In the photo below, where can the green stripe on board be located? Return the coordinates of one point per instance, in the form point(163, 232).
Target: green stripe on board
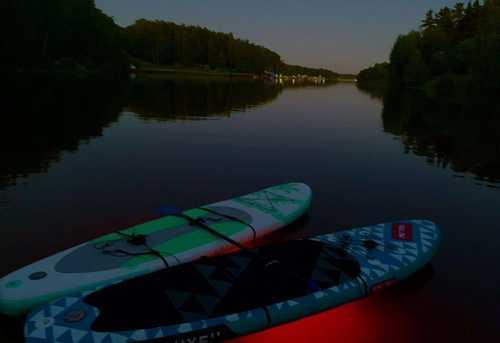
point(153, 226)
point(189, 241)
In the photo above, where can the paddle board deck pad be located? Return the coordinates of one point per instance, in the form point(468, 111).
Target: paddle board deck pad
point(222, 297)
point(148, 247)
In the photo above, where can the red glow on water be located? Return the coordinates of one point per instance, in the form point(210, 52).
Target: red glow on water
point(382, 317)
point(379, 318)
point(361, 321)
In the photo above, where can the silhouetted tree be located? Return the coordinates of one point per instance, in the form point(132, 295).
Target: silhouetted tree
point(407, 67)
point(378, 73)
point(60, 34)
point(166, 43)
point(457, 48)
point(429, 22)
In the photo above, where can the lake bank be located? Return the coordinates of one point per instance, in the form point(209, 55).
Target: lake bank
point(191, 72)
point(141, 67)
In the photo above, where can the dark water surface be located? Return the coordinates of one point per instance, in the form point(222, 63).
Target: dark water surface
point(82, 160)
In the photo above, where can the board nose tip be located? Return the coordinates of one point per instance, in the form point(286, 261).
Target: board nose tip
point(430, 238)
point(431, 228)
point(305, 188)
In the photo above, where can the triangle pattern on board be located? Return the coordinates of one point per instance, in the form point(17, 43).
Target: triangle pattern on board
point(88, 338)
point(241, 261)
point(208, 302)
point(139, 335)
point(65, 337)
point(100, 337)
point(192, 305)
point(61, 302)
point(204, 269)
point(153, 333)
point(220, 287)
point(76, 335)
point(55, 310)
point(30, 327)
point(222, 274)
point(177, 298)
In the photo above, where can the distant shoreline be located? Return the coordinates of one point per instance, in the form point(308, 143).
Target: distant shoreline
point(193, 72)
point(201, 72)
point(343, 79)
point(77, 71)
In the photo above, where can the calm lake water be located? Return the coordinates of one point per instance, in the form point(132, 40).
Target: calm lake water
point(85, 159)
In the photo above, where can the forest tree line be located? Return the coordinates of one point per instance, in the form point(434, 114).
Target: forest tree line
point(456, 52)
point(74, 34)
point(166, 43)
point(376, 74)
point(288, 69)
point(60, 34)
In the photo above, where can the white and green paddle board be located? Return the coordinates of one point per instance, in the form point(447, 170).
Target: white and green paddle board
point(142, 249)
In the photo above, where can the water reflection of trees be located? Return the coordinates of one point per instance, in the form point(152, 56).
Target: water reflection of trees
point(46, 115)
point(462, 135)
point(375, 90)
point(163, 99)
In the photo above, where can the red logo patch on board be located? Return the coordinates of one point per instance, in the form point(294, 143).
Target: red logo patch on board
point(402, 231)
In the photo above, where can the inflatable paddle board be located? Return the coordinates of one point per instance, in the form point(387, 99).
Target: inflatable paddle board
point(223, 297)
point(142, 249)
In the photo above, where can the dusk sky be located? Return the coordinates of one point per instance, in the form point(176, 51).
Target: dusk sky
point(337, 34)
